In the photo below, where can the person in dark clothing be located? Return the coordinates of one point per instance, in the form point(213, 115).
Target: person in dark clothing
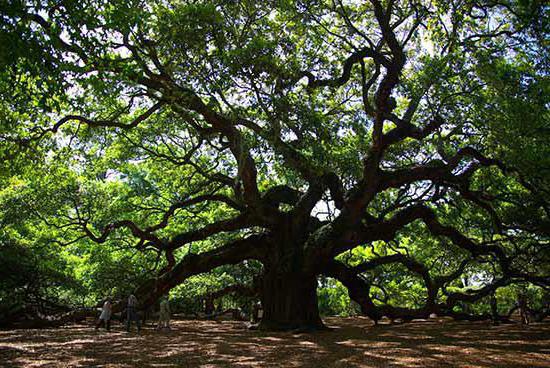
point(494, 310)
point(523, 309)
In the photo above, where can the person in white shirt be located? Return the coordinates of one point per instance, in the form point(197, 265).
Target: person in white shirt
point(257, 312)
point(164, 314)
point(105, 316)
point(131, 313)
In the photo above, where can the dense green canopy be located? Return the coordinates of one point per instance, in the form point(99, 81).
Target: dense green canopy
point(399, 147)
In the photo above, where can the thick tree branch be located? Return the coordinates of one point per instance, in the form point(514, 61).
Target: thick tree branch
point(353, 59)
point(252, 247)
point(240, 222)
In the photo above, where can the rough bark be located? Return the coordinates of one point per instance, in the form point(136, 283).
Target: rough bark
point(289, 301)
point(288, 286)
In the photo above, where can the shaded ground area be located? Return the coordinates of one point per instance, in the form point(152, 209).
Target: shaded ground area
point(354, 342)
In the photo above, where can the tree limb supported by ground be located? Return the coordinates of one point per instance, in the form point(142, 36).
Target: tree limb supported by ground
point(363, 141)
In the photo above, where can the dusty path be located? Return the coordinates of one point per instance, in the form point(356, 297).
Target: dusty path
point(354, 342)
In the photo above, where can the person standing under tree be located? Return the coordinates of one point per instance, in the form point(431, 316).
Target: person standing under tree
point(105, 316)
point(131, 310)
point(494, 310)
point(257, 312)
point(164, 314)
point(523, 309)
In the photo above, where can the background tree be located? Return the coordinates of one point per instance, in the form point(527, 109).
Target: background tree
point(399, 147)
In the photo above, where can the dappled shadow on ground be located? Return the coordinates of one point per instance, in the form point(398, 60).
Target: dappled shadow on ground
point(353, 342)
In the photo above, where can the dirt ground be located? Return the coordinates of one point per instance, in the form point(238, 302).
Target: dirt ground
point(353, 342)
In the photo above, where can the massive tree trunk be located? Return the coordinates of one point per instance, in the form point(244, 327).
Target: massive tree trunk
point(289, 286)
point(289, 300)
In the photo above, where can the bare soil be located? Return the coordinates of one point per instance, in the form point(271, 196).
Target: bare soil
point(353, 342)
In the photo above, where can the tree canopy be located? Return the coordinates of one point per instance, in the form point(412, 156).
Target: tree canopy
point(398, 147)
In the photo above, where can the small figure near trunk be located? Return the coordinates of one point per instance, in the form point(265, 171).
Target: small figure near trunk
point(494, 310)
point(164, 314)
point(257, 312)
point(523, 309)
point(105, 316)
point(131, 313)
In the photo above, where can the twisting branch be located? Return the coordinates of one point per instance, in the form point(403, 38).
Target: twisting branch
point(192, 201)
point(134, 229)
point(353, 59)
point(89, 122)
point(391, 78)
point(252, 247)
point(239, 222)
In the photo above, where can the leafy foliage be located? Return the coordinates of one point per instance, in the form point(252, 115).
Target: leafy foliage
point(397, 145)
